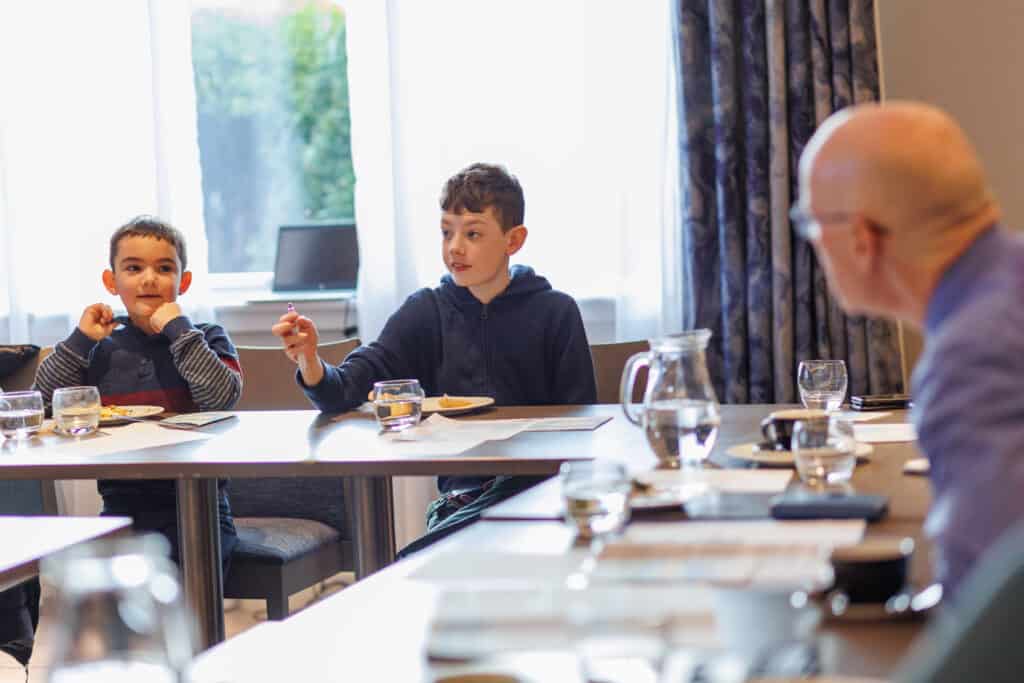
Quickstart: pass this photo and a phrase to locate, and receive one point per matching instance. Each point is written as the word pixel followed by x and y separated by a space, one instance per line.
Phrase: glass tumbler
pixel 822 384
pixel 120 613
pixel 824 450
pixel 21 414
pixel 596 496
pixel 398 404
pixel 76 410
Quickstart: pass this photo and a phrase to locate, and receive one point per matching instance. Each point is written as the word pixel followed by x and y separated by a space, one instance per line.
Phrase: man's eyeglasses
pixel 808 226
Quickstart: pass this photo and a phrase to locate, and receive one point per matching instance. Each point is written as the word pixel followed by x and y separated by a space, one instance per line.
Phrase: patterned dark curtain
pixel 756 79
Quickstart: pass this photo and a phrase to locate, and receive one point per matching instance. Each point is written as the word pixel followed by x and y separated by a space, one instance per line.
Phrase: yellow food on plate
pixel 447 401
pixel 110 412
pixel 398 409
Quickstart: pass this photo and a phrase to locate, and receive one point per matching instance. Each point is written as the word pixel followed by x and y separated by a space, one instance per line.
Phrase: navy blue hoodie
pixel 526 347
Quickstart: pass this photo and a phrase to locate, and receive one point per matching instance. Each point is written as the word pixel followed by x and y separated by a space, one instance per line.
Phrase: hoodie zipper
pixel 486 349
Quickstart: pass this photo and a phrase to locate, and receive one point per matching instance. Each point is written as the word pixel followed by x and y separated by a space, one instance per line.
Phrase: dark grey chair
pixel 978 638
pixel 292 531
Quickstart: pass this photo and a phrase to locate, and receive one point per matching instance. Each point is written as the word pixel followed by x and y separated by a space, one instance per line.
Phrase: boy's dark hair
pixel 149 226
pixel 479 186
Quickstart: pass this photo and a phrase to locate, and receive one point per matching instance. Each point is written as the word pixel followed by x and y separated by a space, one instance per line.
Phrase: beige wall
pixel 965 56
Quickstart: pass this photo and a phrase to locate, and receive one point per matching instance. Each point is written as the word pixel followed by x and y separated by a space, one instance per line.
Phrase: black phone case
pixel 826 506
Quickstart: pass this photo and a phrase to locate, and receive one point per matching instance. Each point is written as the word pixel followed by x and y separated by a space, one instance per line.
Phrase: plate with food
pixel 763 455
pixel 114 415
pixel 455 405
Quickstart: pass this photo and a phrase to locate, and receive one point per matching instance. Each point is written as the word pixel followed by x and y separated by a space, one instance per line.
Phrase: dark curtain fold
pixel 756 79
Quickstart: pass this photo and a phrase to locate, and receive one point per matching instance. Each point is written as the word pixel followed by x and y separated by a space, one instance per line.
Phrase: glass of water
pixel 822 384
pixel 21 414
pixel 76 410
pixel 398 404
pixel 596 496
pixel 824 450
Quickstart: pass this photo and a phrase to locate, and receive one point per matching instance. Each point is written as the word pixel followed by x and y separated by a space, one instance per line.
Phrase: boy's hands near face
pixel 300 338
pixel 97 322
pixel 163 315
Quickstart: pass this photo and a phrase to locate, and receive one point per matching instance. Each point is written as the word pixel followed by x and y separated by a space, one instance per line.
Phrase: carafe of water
pixel 679 413
pixel 120 613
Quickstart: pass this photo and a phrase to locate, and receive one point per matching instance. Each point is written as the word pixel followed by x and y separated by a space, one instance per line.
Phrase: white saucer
pixel 749 452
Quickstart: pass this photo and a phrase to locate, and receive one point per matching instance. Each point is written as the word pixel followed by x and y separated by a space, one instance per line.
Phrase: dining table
pixel 29 539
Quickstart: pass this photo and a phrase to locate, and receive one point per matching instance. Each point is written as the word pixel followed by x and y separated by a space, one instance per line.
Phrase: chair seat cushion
pixel 277 540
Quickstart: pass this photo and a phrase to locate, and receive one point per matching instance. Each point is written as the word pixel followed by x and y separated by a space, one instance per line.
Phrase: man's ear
pixel 186 282
pixel 515 238
pixel 867 244
pixel 108 281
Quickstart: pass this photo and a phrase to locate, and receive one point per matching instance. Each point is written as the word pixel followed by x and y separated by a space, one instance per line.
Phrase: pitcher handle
pixel 629 373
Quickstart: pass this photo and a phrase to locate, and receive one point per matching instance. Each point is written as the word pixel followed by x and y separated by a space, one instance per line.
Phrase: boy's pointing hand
pixel 97 322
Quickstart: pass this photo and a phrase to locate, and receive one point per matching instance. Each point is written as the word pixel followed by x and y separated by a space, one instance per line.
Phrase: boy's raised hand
pixel 167 312
pixel 300 338
pixel 97 322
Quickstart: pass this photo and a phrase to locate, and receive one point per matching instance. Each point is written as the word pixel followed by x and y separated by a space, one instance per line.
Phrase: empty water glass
pixel 824 450
pixel 21 414
pixel 120 613
pixel 596 496
pixel 76 410
pixel 398 404
pixel 822 384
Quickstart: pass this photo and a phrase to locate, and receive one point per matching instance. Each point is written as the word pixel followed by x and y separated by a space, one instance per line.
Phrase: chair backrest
pixel 269 376
pixel 317 498
pixel 977 638
pixel 609 361
pixel 24 377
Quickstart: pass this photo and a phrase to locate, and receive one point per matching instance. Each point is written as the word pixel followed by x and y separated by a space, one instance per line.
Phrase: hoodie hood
pixel 524 281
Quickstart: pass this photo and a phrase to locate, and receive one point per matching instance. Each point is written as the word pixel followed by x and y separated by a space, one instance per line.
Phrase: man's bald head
pixel 906 166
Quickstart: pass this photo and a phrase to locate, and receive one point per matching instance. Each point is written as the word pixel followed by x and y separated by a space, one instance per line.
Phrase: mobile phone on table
pixel 880 401
pixel 800 504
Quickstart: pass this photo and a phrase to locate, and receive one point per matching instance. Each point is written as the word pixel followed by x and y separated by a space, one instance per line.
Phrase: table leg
pixel 373 523
pixel 199 544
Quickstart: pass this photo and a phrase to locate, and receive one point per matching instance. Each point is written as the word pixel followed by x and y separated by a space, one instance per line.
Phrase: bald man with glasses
pixel 899 211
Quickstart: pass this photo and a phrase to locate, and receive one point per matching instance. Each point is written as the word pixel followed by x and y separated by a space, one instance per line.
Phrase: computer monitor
pixel 316 257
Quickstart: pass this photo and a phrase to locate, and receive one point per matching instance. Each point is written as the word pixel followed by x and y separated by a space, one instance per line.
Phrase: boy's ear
pixel 108 281
pixel 514 239
pixel 186 282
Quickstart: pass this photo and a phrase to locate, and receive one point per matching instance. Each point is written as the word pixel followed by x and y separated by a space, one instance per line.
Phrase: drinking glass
pixel 596 496
pixel 21 414
pixel 824 450
pixel 398 404
pixel 76 410
pixel 120 613
pixel 822 383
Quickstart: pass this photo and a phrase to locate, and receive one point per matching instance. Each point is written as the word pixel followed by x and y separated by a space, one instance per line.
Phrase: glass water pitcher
pixel 679 414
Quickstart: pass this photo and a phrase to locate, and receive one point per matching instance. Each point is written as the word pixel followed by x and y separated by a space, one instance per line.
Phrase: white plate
pixel 747 451
pixel 132 411
pixel 432 404
pixel 667 498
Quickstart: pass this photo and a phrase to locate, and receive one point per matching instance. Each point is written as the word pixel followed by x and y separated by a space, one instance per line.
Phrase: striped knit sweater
pixel 184 368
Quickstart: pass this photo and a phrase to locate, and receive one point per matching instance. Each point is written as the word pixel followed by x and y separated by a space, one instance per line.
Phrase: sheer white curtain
pixel 97 124
pixel 575 97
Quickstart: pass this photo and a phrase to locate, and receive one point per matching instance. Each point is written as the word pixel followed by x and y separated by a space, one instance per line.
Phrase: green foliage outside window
pixel 274 127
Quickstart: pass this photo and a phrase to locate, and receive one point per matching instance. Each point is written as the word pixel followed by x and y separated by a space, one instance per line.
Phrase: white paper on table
pixel 728 480
pixel 567 424
pixel 885 433
pixel 440 435
pixel 823 533
pixel 917 466
pixel 127 438
pixel 858 415
pixel 499 568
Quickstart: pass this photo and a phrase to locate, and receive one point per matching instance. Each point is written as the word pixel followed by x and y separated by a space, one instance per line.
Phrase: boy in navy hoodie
pixel 487 330
pixel 154 355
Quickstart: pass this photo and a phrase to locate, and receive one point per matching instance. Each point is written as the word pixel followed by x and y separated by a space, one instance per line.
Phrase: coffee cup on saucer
pixel 872 571
pixel 777 428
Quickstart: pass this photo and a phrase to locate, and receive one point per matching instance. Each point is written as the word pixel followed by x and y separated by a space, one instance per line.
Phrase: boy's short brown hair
pixel 149 226
pixel 479 186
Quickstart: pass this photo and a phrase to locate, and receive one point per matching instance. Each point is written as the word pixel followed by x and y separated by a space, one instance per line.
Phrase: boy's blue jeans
pixel 452 512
